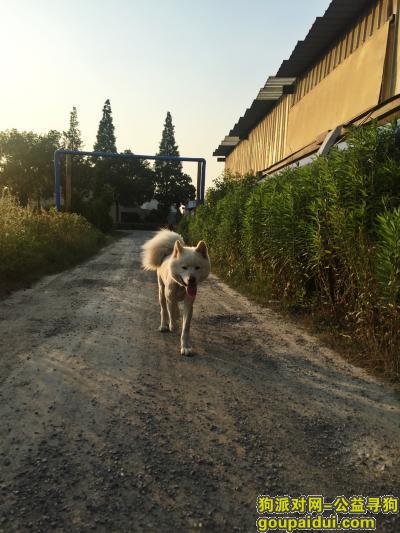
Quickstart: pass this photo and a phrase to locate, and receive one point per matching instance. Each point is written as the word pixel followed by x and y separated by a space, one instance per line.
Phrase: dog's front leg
pixel 163 305
pixel 173 312
pixel 187 317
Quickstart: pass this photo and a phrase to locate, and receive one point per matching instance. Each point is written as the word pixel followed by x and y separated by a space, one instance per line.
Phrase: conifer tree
pixel 105 139
pixel 72 138
pixel 173 187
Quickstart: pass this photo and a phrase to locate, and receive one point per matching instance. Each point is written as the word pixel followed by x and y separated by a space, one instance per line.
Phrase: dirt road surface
pixel 105 427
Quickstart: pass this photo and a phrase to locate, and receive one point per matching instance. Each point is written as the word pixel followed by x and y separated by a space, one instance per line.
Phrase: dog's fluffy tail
pixel 156 249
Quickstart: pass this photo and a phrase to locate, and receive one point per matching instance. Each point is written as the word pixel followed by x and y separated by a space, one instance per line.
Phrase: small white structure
pixel 153 204
pixel 124 214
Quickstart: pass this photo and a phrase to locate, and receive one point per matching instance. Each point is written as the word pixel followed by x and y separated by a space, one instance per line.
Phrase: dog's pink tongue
pixel 191 289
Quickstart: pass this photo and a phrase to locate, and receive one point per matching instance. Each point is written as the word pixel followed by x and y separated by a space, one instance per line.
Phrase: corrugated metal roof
pixel 325 30
pixel 265 101
pixel 339 15
pixel 227 145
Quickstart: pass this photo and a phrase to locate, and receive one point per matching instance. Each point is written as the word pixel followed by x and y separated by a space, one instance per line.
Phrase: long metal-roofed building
pixel 345 72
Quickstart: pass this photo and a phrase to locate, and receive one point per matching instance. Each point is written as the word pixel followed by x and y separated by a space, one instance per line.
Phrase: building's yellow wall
pixel 266 142
pixel 349 90
pixel 368 23
pixel 280 133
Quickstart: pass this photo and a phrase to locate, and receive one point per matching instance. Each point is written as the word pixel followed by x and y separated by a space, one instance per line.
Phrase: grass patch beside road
pixel 34 243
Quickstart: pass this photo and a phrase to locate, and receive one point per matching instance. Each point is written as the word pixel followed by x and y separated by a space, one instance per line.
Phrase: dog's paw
pixel 186 351
pixel 163 329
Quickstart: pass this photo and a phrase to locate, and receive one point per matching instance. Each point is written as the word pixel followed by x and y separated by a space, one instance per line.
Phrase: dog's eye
pixel 184 268
pixel 197 268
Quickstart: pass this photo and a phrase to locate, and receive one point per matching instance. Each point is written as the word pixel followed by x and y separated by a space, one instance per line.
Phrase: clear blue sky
pixel 204 61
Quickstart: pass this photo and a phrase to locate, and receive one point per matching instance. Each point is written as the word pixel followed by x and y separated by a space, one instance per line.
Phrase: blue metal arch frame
pixel 201 168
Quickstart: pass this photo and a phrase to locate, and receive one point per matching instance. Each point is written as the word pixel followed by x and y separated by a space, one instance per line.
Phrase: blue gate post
pixel 198 183
pixel 203 180
pixel 57 180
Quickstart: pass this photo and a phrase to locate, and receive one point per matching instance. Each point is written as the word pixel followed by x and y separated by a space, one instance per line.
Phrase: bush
pixel 130 217
pixel 32 243
pixel 153 216
pixel 324 237
pixel 97 209
pixel 157 216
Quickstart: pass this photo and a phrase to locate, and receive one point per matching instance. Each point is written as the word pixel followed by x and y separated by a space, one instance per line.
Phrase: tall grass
pixel 324 238
pixel 33 243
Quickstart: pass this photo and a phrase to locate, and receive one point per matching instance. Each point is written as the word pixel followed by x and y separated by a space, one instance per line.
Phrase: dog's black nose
pixel 192 281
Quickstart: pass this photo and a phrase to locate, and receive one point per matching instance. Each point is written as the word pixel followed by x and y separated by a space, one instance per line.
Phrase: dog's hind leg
pixel 163 305
pixel 187 318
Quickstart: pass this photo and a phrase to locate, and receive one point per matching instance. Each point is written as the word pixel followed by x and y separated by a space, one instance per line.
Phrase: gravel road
pixel 105 427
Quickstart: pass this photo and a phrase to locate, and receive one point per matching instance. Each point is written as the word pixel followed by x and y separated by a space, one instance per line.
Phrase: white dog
pixel 179 269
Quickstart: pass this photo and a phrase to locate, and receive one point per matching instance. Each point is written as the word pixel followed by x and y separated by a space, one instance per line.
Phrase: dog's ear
pixel 201 248
pixel 177 249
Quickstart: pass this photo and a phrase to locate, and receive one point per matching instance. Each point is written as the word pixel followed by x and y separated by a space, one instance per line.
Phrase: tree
pixel 173 187
pixel 183 191
pixel 105 139
pixel 72 138
pixel 105 170
pixel 130 181
pixel 26 164
pixel 134 182
pixel 81 168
